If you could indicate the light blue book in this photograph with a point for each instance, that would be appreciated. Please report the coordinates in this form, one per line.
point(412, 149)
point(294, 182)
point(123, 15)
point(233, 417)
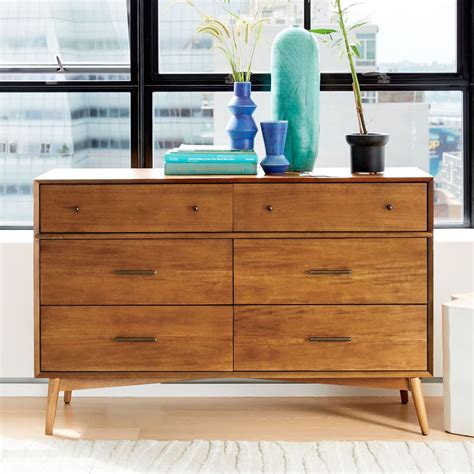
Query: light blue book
point(174, 157)
point(209, 149)
point(210, 168)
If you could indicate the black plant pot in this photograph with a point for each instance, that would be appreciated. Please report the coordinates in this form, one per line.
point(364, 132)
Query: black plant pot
point(367, 152)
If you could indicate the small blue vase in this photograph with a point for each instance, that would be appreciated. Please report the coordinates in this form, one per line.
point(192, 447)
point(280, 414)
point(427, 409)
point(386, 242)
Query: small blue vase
point(274, 137)
point(241, 127)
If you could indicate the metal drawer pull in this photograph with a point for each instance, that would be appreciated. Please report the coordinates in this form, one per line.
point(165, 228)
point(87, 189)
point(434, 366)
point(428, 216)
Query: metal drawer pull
point(195, 208)
point(135, 272)
point(329, 339)
point(389, 207)
point(76, 209)
point(134, 339)
point(330, 272)
point(270, 208)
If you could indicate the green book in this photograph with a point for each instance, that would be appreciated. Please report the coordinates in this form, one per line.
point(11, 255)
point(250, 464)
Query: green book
point(210, 168)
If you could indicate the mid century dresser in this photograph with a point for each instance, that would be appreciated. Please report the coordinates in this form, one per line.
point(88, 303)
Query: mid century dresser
point(142, 278)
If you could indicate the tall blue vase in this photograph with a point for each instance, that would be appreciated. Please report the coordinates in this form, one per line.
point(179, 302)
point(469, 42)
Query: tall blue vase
point(295, 94)
point(241, 127)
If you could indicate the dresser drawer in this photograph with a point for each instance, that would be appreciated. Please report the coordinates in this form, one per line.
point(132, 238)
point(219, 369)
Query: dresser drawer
point(330, 338)
point(136, 208)
point(124, 338)
point(330, 207)
point(162, 271)
point(330, 271)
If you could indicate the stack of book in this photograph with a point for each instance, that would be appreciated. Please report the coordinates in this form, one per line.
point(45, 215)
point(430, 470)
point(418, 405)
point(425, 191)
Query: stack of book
point(207, 159)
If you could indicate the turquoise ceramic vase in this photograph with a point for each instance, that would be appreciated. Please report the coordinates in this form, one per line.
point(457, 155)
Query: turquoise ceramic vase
point(296, 83)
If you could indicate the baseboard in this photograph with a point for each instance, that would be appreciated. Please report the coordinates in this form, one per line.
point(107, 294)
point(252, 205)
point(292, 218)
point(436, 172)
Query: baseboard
point(227, 389)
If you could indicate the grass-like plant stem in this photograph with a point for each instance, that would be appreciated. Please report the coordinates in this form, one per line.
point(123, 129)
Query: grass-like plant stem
point(355, 80)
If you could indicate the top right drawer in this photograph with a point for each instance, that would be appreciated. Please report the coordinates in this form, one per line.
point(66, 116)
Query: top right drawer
point(361, 207)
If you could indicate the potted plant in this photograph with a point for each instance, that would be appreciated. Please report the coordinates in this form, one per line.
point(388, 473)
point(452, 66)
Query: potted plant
point(236, 37)
point(367, 149)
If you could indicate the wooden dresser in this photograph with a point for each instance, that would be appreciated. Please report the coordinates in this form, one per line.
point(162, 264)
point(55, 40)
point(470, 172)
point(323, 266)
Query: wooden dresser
point(142, 278)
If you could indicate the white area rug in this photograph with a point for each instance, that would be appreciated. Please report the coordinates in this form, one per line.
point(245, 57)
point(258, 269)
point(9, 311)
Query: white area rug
point(234, 456)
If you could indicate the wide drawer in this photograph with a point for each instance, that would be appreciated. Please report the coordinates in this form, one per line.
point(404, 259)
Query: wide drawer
point(140, 338)
point(330, 271)
point(330, 338)
point(135, 208)
point(330, 207)
point(120, 271)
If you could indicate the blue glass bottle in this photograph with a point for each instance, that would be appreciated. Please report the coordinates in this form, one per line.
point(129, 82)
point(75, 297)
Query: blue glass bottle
point(241, 127)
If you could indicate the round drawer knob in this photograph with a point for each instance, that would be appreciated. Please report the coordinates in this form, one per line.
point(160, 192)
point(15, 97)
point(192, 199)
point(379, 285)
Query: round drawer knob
point(195, 208)
point(76, 209)
point(389, 207)
point(270, 208)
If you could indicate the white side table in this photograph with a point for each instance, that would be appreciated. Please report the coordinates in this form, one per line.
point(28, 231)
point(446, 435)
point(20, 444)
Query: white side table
point(458, 364)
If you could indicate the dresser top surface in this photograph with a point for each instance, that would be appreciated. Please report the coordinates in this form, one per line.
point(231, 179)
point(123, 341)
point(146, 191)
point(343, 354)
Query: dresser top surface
point(149, 176)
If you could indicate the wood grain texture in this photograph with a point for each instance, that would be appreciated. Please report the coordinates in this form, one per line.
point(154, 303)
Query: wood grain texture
point(67, 396)
point(156, 175)
point(187, 338)
point(383, 338)
point(51, 405)
point(419, 402)
point(188, 272)
point(306, 419)
point(398, 383)
point(237, 235)
point(156, 377)
point(136, 208)
point(404, 396)
point(330, 207)
point(384, 271)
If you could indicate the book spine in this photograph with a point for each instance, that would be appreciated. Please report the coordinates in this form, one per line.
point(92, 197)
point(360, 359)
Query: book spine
point(209, 158)
point(210, 168)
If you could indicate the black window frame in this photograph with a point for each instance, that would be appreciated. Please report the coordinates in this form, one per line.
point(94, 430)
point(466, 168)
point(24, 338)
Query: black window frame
point(145, 79)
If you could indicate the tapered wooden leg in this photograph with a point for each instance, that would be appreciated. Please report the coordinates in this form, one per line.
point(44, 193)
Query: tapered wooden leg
point(404, 396)
point(419, 402)
point(53, 395)
point(67, 396)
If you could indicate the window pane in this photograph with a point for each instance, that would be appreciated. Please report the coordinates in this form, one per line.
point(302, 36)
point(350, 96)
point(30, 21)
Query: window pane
point(425, 131)
point(80, 32)
point(182, 49)
point(406, 35)
point(41, 131)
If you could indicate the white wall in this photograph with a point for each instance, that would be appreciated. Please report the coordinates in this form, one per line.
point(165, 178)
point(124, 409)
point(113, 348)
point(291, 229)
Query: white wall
point(454, 273)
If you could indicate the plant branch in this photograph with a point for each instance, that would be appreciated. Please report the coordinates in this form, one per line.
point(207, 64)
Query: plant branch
point(355, 80)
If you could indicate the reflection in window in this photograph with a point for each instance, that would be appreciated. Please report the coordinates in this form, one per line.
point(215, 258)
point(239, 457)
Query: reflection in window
point(385, 48)
point(425, 130)
point(80, 32)
point(182, 49)
point(399, 36)
point(41, 131)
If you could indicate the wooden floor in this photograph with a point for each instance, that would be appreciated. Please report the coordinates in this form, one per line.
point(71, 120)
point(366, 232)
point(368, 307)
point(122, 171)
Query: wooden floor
point(289, 419)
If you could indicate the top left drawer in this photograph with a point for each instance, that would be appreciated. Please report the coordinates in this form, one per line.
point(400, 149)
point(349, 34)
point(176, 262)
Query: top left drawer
point(135, 208)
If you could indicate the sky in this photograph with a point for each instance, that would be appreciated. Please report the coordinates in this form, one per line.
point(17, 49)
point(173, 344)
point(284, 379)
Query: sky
point(421, 31)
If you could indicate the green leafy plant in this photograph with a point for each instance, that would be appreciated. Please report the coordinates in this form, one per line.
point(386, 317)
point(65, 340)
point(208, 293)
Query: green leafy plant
point(339, 38)
point(235, 36)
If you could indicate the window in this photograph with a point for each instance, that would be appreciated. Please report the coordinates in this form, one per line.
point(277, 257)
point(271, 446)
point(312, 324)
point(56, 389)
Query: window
point(134, 79)
point(59, 138)
point(45, 148)
point(81, 33)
